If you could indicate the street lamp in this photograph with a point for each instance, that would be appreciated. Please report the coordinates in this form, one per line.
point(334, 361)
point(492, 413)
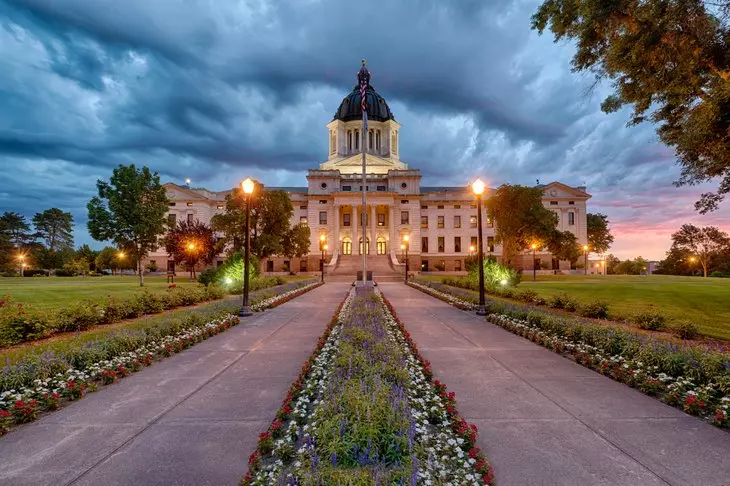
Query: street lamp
point(405, 247)
point(534, 267)
point(585, 255)
point(692, 265)
point(21, 258)
point(247, 187)
point(191, 250)
point(323, 248)
point(477, 188)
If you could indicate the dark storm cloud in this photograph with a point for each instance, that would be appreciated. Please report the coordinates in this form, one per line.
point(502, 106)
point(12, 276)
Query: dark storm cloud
point(216, 90)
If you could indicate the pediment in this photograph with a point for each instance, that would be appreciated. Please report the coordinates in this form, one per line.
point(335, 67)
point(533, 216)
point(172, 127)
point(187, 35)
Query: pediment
point(178, 192)
point(353, 164)
point(559, 190)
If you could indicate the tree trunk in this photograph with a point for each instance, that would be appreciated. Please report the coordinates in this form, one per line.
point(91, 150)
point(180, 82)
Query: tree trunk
point(139, 270)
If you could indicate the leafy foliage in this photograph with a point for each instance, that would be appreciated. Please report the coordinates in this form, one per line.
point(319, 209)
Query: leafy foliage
point(192, 243)
point(55, 227)
point(670, 59)
point(704, 244)
point(495, 275)
point(599, 234)
point(130, 211)
point(520, 218)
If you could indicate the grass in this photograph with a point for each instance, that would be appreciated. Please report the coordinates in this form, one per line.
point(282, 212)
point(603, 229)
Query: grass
point(704, 301)
point(51, 293)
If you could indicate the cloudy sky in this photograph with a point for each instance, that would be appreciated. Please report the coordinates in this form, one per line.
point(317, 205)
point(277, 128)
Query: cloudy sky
point(217, 90)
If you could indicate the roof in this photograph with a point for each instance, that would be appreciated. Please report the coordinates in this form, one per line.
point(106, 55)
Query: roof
point(350, 109)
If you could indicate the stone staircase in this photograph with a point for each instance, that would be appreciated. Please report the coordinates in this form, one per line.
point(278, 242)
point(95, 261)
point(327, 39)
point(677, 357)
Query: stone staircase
point(348, 266)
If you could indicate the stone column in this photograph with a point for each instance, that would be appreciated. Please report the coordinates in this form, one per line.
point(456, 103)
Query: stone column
point(373, 229)
point(393, 244)
point(335, 245)
point(354, 218)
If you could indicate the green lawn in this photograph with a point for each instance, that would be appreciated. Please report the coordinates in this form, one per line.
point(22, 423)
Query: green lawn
point(704, 301)
point(56, 292)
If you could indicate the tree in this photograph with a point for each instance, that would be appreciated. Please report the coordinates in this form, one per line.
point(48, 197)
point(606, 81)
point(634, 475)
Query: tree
point(56, 228)
point(296, 242)
point(611, 264)
point(15, 229)
point(86, 253)
point(520, 219)
point(701, 243)
point(564, 246)
point(192, 243)
point(271, 213)
point(631, 267)
point(670, 59)
point(131, 211)
point(599, 234)
point(107, 258)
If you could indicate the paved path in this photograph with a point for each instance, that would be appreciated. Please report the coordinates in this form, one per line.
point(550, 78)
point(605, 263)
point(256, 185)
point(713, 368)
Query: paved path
point(189, 419)
point(545, 420)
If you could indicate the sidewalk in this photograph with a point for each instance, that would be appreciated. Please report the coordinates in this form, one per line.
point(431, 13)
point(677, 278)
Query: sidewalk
point(191, 419)
point(546, 420)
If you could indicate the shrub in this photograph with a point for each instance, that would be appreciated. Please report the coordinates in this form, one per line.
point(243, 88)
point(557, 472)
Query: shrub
point(495, 275)
point(719, 274)
point(64, 272)
point(563, 301)
point(652, 321)
point(208, 276)
point(527, 295)
point(685, 330)
point(596, 309)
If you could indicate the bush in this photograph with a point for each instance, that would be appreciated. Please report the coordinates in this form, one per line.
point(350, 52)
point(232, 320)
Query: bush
point(64, 272)
point(652, 321)
point(527, 295)
point(563, 301)
point(208, 276)
point(596, 310)
point(685, 330)
point(719, 274)
point(495, 275)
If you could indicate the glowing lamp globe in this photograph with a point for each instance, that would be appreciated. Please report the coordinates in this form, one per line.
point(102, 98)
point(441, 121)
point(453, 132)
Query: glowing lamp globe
point(247, 186)
point(477, 187)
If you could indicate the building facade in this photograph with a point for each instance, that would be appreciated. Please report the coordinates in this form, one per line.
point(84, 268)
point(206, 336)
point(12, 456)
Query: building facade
point(441, 222)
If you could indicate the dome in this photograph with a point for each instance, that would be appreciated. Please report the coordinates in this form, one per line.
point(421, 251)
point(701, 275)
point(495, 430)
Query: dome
point(378, 109)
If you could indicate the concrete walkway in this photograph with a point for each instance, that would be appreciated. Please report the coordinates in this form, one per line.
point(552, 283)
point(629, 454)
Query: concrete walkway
point(190, 419)
point(545, 420)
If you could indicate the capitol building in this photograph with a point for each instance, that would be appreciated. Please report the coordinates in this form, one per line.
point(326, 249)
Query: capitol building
point(441, 222)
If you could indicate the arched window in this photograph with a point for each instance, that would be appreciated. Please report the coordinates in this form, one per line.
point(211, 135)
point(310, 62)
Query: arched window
point(380, 245)
point(346, 245)
point(357, 139)
point(333, 142)
point(349, 140)
point(367, 246)
point(370, 139)
point(377, 140)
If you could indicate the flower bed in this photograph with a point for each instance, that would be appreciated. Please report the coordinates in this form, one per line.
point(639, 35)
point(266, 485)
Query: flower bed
point(691, 378)
point(46, 383)
point(269, 302)
point(365, 410)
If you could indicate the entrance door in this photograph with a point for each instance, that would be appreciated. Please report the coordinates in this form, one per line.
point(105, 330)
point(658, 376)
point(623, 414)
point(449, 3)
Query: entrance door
point(367, 246)
point(380, 246)
point(346, 246)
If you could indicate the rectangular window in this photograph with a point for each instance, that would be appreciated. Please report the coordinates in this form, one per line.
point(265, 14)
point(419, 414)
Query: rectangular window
point(440, 207)
point(323, 201)
point(553, 203)
point(571, 218)
point(220, 206)
point(381, 188)
point(424, 222)
point(171, 219)
point(190, 204)
point(381, 219)
point(323, 217)
point(347, 188)
point(474, 243)
point(424, 244)
point(303, 207)
point(457, 265)
point(404, 217)
point(490, 222)
point(490, 243)
point(424, 207)
point(571, 202)
point(457, 206)
point(440, 222)
point(190, 218)
point(442, 244)
point(172, 204)
point(457, 221)
point(302, 220)
point(303, 265)
point(404, 201)
point(457, 244)
point(473, 221)
point(346, 219)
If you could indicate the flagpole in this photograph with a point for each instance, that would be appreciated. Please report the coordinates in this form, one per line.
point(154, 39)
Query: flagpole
point(364, 79)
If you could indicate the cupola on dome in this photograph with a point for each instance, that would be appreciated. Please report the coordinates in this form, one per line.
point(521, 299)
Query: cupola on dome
point(350, 109)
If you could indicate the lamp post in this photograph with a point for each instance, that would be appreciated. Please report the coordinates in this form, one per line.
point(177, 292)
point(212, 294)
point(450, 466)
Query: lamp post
point(534, 267)
point(247, 187)
point(477, 188)
point(191, 250)
point(21, 258)
point(322, 248)
point(692, 265)
point(120, 256)
point(585, 257)
point(405, 247)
